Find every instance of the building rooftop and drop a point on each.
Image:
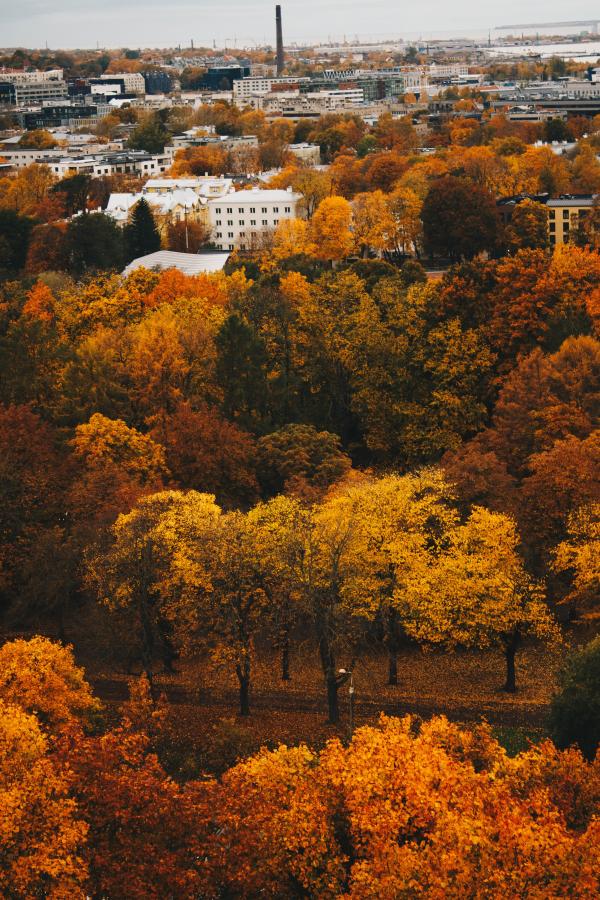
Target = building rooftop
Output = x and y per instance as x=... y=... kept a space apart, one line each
x=188 y=263
x=257 y=195
x=574 y=200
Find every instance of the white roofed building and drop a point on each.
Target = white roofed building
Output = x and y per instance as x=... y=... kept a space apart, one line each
x=188 y=263
x=172 y=199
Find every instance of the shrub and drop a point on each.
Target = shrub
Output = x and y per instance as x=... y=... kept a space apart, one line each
x=575 y=710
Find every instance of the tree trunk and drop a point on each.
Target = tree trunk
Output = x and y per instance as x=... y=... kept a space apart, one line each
x=168 y=651
x=243 y=674
x=393 y=666
x=147 y=650
x=392 y=645
x=510 y=652
x=329 y=671
x=285 y=654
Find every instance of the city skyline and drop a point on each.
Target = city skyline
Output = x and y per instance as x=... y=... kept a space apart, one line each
x=66 y=24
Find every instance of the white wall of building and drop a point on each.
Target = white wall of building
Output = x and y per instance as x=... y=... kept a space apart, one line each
x=238 y=220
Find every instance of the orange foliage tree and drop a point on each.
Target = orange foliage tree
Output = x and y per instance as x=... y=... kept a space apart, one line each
x=41 y=831
x=403 y=811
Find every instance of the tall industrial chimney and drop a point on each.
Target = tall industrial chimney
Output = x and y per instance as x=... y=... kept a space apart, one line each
x=279 y=40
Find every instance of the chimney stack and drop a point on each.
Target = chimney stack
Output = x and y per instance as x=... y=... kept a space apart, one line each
x=279 y=30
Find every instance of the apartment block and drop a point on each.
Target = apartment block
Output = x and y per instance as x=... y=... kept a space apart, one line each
x=241 y=219
x=565 y=213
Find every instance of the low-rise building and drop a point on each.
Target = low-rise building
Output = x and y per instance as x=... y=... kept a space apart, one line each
x=29 y=93
x=246 y=87
x=242 y=219
x=172 y=199
x=130 y=82
x=188 y=263
x=308 y=154
x=565 y=214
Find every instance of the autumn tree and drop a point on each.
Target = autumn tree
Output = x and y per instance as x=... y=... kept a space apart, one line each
x=476 y=592
x=74 y=192
x=416 y=389
x=410 y=810
x=528 y=226
x=37 y=139
x=330 y=229
x=40 y=676
x=373 y=224
x=128 y=575
x=47 y=250
x=41 y=830
x=579 y=553
x=147 y=836
x=562 y=478
x=399 y=519
x=290 y=238
x=32 y=483
x=314 y=548
x=405 y=210
x=207 y=453
x=459 y=220
x=299 y=455
x=107 y=441
x=187 y=236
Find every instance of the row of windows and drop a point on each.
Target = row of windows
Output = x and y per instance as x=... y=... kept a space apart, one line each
x=264 y=222
x=567 y=213
x=264 y=209
x=230 y=234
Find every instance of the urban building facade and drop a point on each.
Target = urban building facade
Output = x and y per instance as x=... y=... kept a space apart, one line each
x=242 y=219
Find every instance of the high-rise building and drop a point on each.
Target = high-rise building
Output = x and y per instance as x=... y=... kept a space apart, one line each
x=279 y=30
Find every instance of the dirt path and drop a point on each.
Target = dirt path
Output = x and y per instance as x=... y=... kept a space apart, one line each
x=504 y=713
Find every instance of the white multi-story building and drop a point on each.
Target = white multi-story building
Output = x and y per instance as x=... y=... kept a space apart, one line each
x=241 y=219
x=207 y=186
x=29 y=93
x=172 y=199
x=437 y=71
x=309 y=154
x=133 y=82
x=17 y=76
x=314 y=101
x=246 y=87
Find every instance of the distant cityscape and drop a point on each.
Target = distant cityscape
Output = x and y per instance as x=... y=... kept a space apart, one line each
x=89 y=107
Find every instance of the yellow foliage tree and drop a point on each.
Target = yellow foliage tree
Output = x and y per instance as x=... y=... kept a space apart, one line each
x=373 y=224
x=580 y=553
x=476 y=592
x=103 y=440
x=292 y=237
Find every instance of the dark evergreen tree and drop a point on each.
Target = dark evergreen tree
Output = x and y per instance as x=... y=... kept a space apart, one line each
x=15 y=234
x=459 y=219
x=241 y=372
x=74 y=190
x=575 y=710
x=141 y=234
x=151 y=135
x=95 y=243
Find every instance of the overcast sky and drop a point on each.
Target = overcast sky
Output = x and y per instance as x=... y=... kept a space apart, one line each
x=160 y=23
